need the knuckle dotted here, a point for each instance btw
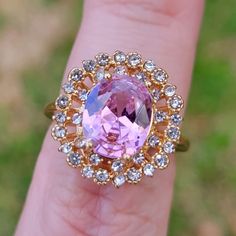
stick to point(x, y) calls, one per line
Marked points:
point(143, 12)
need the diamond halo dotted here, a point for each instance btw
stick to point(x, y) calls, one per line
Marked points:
point(159, 120)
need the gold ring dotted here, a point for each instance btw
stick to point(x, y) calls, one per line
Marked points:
point(118, 118)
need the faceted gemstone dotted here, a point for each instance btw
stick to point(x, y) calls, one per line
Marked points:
point(117, 116)
point(148, 169)
point(65, 148)
point(160, 116)
point(153, 141)
point(149, 65)
point(169, 90)
point(76, 118)
point(89, 65)
point(74, 158)
point(156, 94)
point(102, 175)
point(87, 172)
point(141, 76)
point(94, 159)
point(81, 143)
point(173, 132)
point(138, 158)
point(120, 70)
point(134, 59)
point(119, 180)
point(168, 147)
point(161, 160)
point(68, 87)
point(176, 119)
point(175, 102)
point(62, 102)
point(59, 132)
point(134, 175)
point(102, 59)
point(60, 117)
point(83, 94)
point(119, 56)
point(76, 74)
point(100, 75)
point(160, 76)
point(117, 166)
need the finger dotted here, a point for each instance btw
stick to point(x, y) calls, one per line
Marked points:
point(59, 201)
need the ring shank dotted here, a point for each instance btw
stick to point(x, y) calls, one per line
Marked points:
point(181, 146)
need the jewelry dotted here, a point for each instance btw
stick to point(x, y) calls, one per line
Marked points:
point(118, 118)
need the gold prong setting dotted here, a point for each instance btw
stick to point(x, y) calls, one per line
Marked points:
point(164, 132)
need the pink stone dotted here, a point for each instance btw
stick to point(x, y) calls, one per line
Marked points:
point(117, 116)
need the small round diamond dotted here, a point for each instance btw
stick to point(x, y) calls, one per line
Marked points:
point(141, 76)
point(138, 158)
point(169, 90)
point(65, 148)
point(119, 180)
point(168, 147)
point(76, 75)
point(89, 65)
point(134, 175)
point(76, 118)
point(119, 57)
point(117, 166)
point(153, 141)
point(60, 117)
point(173, 133)
point(176, 119)
point(134, 59)
point(68, 87)
point(156, 94)
point(175, 102)
point(149, 65)
point(102, 59)
point(120, 70)
point(100, 75)
point(62, 102)
point(83, 94)
point(59, 131)
point(87, 172)
point(148, 169)
point(81, 143)
point(74, 158)
point(94, 159)
point(161, 160)
point(160, 76)
point(102, 175)
point(160, 116)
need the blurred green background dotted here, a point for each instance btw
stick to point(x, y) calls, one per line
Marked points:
point(35, 41)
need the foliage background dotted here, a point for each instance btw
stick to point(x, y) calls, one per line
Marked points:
point(35, 41)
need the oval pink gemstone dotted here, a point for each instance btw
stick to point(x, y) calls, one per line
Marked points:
point(117, 116)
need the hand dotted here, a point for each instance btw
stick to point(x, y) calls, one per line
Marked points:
point(60, 202)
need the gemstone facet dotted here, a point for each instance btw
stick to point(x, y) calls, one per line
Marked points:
point(134, 175)
point(148, 169)
point(161, 160)
point(119, 180)
point(76, 74)
point(117, 116)
point(102, 175)
point(74, 159)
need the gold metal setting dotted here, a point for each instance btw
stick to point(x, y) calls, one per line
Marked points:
point(67, 112)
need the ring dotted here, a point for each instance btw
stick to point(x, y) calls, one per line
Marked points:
point(118, 119)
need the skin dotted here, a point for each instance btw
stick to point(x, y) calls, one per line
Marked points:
point(61, 202)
